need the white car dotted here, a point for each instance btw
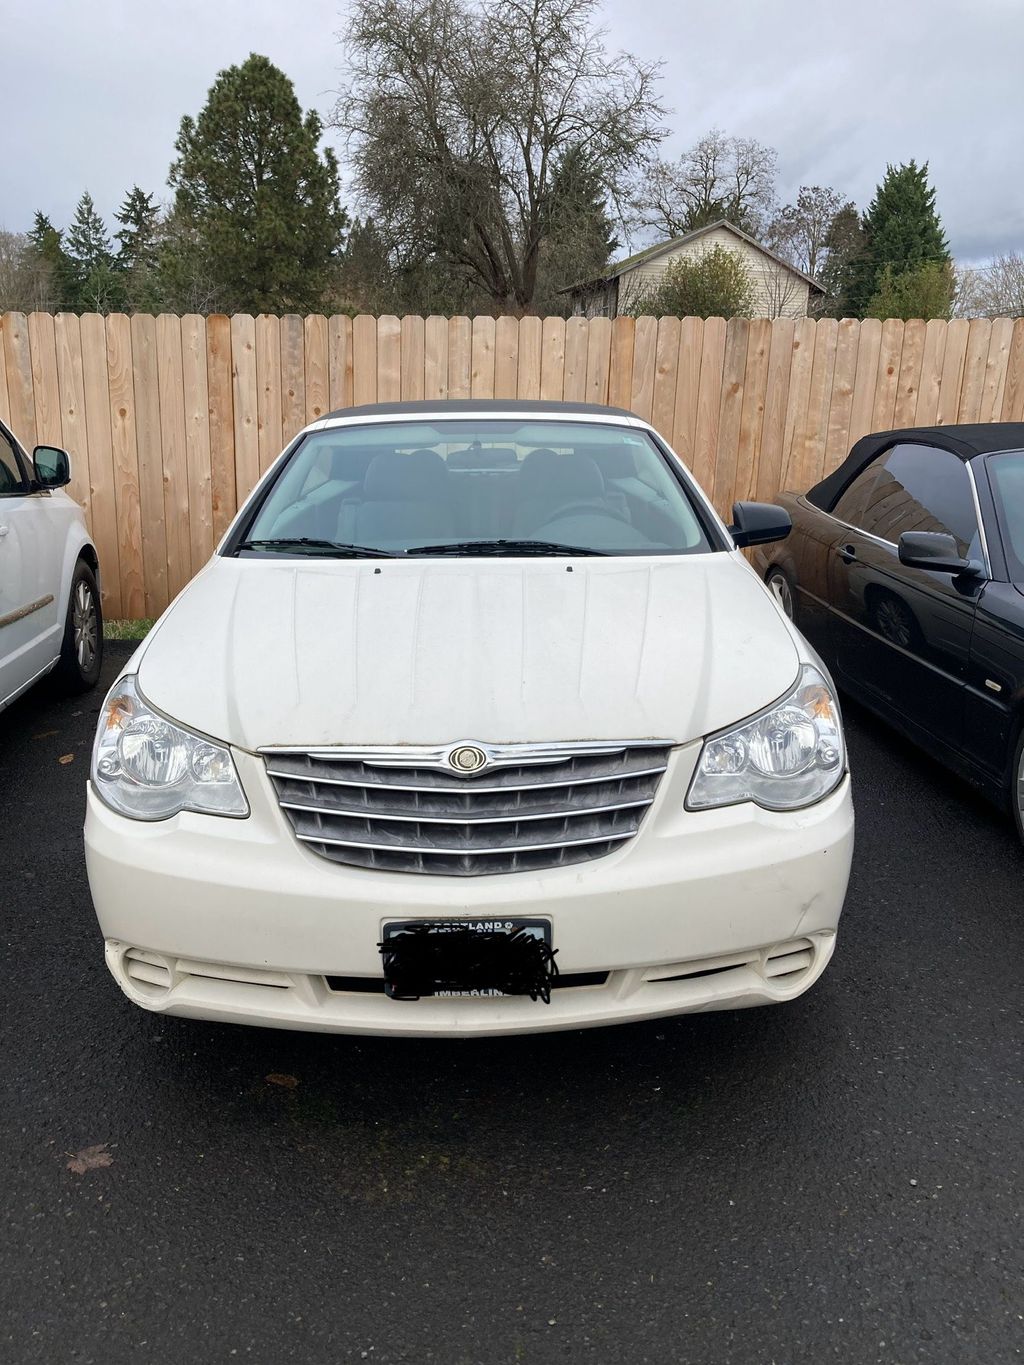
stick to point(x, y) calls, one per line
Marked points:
point(50, 616)
point(477, 723)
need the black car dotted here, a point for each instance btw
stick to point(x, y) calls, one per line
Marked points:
point(905, 568)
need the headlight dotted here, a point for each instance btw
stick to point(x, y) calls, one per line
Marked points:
point(790, 756)
point(146, 767)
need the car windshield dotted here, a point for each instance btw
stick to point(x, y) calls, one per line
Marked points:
point(476, 486)
point(1006, 475)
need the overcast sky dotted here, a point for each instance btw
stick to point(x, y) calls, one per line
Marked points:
point(95, 89)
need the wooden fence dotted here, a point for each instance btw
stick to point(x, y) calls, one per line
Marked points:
point(170, 420)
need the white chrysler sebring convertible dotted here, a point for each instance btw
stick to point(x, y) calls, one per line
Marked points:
point(477, 722)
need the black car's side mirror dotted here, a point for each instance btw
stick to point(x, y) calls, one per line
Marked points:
point(935, 550)
point(51, 467)
point(757, 523)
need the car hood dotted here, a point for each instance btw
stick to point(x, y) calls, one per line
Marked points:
point(261, 652)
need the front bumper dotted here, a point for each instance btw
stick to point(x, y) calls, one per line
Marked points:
point(233, 920)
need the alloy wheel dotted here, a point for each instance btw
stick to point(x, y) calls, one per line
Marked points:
point(84, 625)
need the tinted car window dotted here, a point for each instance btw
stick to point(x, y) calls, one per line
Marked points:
point(852, 504)
point(1006, 475)
point(11, 480)
point(917, 488)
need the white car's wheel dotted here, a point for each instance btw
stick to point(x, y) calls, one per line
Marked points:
point(81, 654)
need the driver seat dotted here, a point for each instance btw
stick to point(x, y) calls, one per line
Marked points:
point(548, 482)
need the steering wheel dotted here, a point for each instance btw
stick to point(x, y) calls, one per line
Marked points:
point(572, 509)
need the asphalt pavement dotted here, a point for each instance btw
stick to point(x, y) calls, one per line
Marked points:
point(837, 1179)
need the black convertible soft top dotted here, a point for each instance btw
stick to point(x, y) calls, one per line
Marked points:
point(979, 438)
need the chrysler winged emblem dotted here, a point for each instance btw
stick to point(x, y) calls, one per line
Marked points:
point(467, 758)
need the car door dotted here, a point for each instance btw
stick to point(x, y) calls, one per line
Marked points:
point(903, 635)
point(30, 566)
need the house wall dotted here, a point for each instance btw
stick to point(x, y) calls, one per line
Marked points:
point(777, 291)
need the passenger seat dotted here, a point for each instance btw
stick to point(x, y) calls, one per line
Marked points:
point(405, 501)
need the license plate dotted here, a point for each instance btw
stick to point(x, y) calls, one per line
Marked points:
point(478, 958)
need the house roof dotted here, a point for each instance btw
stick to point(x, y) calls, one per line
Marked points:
point(652, 253)
point(965, 441)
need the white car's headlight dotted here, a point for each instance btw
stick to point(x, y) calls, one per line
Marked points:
point(147, 767)
point(789, 756)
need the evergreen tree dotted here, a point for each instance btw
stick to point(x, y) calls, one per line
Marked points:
point(46, 246)
point(902, 232)
point(578, 232)
point(844, 242)
point(256, 196)
point(138, 253)
point(95, 285)
point(366, 279)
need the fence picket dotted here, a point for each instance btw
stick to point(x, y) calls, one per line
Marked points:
point(481, 375)
point(125, 452)
point(268, 387)
point(71, 383)
point(196, 384)
point(44, 378)
point(412, 359)
point(318, 397)
point(222, 422)
point(20, 388)
point(506, 357)
point(172, 434)
point(96, 389)
point(146, 386)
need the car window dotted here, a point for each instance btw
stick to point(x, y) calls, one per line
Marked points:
point(1006, 475)
point(11, 478)
point(401, 486)
point(853, 502)
point(913, 488)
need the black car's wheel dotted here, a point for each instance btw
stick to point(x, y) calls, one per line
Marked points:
point(1017, 785)
point(894, 621)
point(782, 588)
point(81, 652)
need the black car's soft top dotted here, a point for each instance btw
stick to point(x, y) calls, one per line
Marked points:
point(978, 438)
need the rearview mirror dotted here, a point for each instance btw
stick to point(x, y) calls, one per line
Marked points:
point(757, 523)
point(935, 550)
point(51, 466)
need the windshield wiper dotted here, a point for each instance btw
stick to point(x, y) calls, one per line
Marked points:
point(503, 547)
point(334, 548)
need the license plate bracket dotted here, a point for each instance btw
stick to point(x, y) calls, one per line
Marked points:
point(475, 958)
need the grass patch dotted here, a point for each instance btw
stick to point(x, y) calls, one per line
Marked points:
point(127, 630)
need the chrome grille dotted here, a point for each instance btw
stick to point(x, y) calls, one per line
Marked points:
point(400, 810)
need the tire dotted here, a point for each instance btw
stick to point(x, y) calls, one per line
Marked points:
point(782, 590)
point(894, 621)
point(1017, 786)
point(81, 651)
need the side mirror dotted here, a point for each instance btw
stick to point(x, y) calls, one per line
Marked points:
point(757, 523)
point(51, 466)
point(937, 551)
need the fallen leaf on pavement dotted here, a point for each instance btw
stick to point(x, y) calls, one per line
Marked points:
point(91, 1159)
point(66, 758)
point(45, 734)
point(279, 1078)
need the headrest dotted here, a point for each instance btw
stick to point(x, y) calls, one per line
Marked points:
point(615, 462)
point(548, 475)
point(392, 477)
point(347, 463)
